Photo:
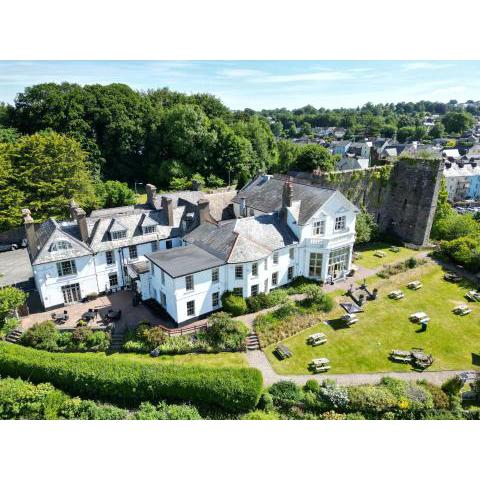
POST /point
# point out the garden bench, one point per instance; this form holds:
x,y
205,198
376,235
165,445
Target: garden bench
x,y
394,249
380,254
415,285
349,319
403,356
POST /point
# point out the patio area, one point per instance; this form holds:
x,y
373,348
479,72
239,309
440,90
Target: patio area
x,y
130,317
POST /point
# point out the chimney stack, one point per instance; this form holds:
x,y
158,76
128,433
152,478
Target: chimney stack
x,y
30,231
243,207
81,217
204,210
167,204
73,205
151,193
287,193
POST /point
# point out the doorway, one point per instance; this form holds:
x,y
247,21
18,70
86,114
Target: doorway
x,y
71,293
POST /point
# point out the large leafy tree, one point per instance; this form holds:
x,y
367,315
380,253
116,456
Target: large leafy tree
x,y
113,193
43,172
458,122
314,157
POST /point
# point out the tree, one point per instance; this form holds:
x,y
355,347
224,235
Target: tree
x,y
405,133
365,227
11,298
458,121
277,129
8,135
315,157
437,131
444,209
11,198
113,193
45,170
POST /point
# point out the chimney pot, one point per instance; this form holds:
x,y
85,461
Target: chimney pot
x,y
30,231
167,204
151,193
204,210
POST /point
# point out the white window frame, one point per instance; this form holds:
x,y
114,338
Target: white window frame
x,y
132,248
255,269
64,271
147,230
290,273
254,289
275,258
215,275
215,299
318,227
191,308
189,283
119,235
274,279
238,272
110,257
340,223
238,291
110,276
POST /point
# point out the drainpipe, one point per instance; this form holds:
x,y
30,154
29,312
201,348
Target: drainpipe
x,y
120,251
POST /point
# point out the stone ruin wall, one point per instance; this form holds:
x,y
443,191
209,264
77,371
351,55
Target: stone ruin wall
x,y
402,197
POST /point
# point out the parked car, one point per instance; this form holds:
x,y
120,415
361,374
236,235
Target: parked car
x,y
5,247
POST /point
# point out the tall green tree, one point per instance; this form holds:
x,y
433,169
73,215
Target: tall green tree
x,y
314,157
458,121
46,170
113,193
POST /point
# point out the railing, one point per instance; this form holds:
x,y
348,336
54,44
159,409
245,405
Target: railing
x,y
173,332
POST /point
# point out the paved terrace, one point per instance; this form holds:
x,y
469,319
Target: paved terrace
x,y
131,316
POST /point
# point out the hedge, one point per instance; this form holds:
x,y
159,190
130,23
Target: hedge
x,y
128,383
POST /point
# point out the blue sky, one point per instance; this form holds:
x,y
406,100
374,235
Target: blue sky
x,y
265,84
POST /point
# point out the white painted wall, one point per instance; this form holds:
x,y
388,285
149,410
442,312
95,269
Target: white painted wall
x,y
49,284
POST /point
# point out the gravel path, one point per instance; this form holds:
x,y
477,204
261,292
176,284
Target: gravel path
x,y
258,359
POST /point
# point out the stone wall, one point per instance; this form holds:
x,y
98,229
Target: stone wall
x,y
402,197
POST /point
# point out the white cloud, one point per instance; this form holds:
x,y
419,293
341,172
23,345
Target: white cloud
x,y
240,72
322,76
411,66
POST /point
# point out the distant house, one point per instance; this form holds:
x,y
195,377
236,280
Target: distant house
x,y
451,153
463,181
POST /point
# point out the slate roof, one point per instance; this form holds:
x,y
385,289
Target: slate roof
x,y
50,232
181,261
244,239
267,197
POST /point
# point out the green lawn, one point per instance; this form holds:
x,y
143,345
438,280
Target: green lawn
x,y
201,359
369,260
384,325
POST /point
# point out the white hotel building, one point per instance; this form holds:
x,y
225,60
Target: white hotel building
x,y
184,250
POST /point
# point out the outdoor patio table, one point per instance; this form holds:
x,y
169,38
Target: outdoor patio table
x,y
88,316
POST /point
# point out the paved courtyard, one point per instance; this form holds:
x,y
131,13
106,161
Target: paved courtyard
x,y
131,316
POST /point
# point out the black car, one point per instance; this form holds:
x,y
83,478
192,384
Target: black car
x,y
6,247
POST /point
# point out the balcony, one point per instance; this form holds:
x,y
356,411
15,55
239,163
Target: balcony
x,y
345,236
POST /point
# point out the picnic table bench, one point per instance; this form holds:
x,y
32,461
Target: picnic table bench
x,y
415,285
462,310
317,339
472,296
394,249
452,277
349,319
282,352
419,317
416,356
403,356
396,295
380,254
319,365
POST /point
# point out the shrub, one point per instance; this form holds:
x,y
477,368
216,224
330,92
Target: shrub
x,y
163,411
285,393
453,386
439,397
333,395
180,345
11,298
76,409
265,402
134,346
9,324
464,251
234,304
371,399
411,262
258,302
42,336
332,415
126,382
312,386
153,337
224,333
298,284
260,415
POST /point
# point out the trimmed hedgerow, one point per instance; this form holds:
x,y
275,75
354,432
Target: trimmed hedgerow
x,y
128,383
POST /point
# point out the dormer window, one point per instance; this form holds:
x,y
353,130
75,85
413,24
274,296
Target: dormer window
x,y
148,229
118,235
60,246
340,223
